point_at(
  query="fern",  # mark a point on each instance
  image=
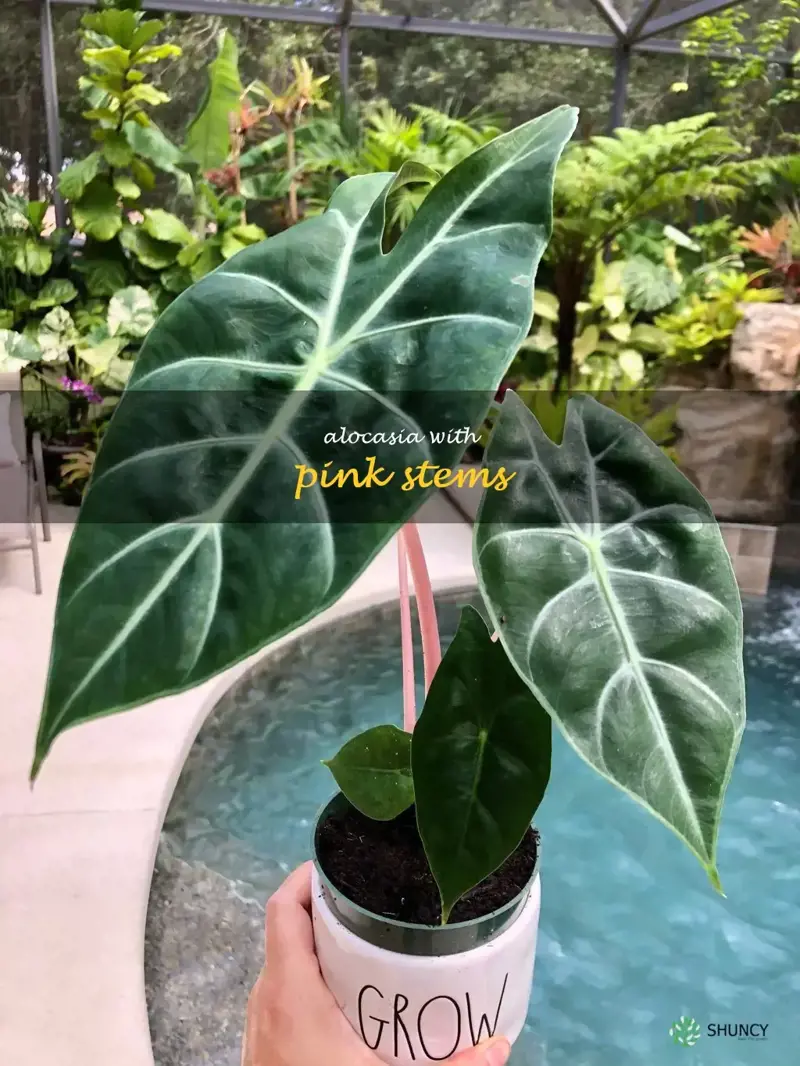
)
(609, 183)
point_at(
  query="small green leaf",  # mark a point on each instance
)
(545, 305)
(373, 770)
(157, 53)
(56, 291)
(231, 245)
(155, 255)
(145, 33)
(33, 257)
(56, 335)
(104, 271)
(651, 338)
(116, 150)
(631, 364)
(175, 279)
(145, 94)
(620, 331)
(114, 60)
(480, 757)
(249, 233)
(97, 213)
(103, 114)
(614, 303)
(35, 212)
(127, 187)
(131, 312)
(120, 24)
(209, 258)
(16, 351)
(585, 343)
(165, 226)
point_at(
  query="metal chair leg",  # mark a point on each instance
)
(37, 573)
(41, 484)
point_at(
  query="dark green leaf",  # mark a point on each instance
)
(373, 770)
(243, 376)
(176, 279)
(628, 624)
(103, 266)
(154, 254)
(481, 761)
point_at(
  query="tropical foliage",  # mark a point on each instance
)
(623, 295)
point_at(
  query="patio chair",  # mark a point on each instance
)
(22, 484)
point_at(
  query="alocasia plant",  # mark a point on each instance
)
(190, 552)
(618, 618)
(609, 589)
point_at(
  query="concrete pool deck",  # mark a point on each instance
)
(77, 852)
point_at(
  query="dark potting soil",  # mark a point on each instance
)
(381, 866)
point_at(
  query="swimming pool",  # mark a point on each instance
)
(632, 937)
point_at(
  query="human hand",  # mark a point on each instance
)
(292, 1017)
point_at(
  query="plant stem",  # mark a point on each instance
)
(409, 695)
(426, 608)
(291, 162)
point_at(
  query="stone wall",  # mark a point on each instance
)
(739, 443)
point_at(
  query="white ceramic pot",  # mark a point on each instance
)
(418, 994)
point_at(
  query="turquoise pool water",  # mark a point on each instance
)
(631, 937)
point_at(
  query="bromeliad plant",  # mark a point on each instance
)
(602, 571)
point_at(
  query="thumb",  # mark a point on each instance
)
(492, 1052)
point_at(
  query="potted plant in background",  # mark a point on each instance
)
(224, 511)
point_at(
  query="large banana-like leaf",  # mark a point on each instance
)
(607, 578)
(191, 551)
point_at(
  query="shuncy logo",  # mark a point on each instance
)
(685, 1031)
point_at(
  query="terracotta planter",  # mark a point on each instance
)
(418, 994)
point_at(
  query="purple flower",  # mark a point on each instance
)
(83, 388)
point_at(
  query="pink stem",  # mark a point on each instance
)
(409, 694)
(426, 608)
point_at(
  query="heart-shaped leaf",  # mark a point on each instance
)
(193, 548)
(16, 351)
(56, 291)
(480, 758)
(373, 770)
(131, 312)
(607, 577)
